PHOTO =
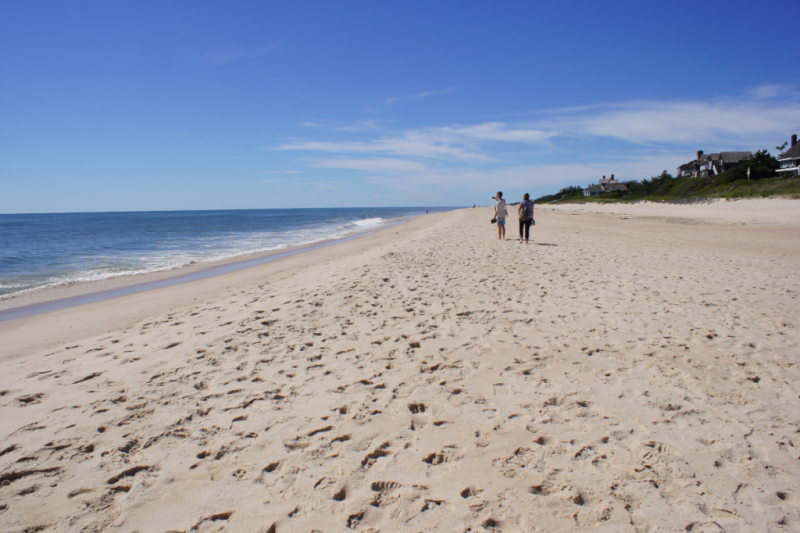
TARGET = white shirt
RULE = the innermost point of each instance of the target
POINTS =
(500, 209)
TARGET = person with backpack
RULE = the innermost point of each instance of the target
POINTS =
(525, 218)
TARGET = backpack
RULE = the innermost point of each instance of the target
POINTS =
(527, 212)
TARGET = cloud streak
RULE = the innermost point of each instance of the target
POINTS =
(531, 176)
(395, 99)
(457, 143)
(756, 119)
(390, 165)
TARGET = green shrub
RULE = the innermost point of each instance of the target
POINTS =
(665, 186)
(563, 194)
(762, 165)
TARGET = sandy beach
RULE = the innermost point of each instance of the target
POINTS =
(733, 211)
(632, 369)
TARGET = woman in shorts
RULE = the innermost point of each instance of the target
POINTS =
(500, 213)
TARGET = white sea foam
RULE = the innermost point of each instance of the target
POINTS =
(216, 249)
(367, 223)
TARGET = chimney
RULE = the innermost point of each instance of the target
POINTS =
(794, 139)
(612, 177)
(699, 154)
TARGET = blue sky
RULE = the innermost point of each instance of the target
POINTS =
(115, 106)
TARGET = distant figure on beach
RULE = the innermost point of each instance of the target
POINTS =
(500, 213)
(426, 211)
(525, 218)
(473, 206)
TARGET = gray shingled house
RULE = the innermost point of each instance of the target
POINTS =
(712, 164)
(790, 159)
(605, 185)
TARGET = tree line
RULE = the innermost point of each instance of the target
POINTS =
(762, 166)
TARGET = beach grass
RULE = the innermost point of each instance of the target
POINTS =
(696, 188)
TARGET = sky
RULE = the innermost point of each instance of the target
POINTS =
(174, 105)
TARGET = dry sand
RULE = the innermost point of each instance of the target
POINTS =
(619, 374)
(733, 211)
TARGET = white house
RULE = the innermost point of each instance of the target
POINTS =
(790, 159)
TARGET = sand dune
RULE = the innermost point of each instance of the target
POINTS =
(613, 375)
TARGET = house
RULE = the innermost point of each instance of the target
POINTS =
(593, 190)
(790, 159)
(712, 164)
(603, 186)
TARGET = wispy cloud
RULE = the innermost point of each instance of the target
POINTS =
(395, 99)
(458, 143)
(357, 126)
(765, 92)
(412, 145)
(753, 119)
(495, 131)
(531, 176)
(228, 55)
(390, 165)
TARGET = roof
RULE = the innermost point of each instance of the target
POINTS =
(735, 157)
(791, 153)
(616, 187)
(725, 157)
(593, 188)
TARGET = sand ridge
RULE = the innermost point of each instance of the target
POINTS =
(614, 375)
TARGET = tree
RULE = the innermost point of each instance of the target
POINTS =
(762, 165)
(563, 194)
(634, 187)
(657, 182)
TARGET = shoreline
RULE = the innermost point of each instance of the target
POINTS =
(45, 299)
(73, 322)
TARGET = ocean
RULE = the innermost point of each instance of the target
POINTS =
(47, 250)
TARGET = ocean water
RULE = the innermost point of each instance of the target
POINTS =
(45, 250)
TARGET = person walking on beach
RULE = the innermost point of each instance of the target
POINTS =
(525, 217)
(500, 213)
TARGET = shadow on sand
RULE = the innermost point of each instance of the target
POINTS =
(534, 243)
